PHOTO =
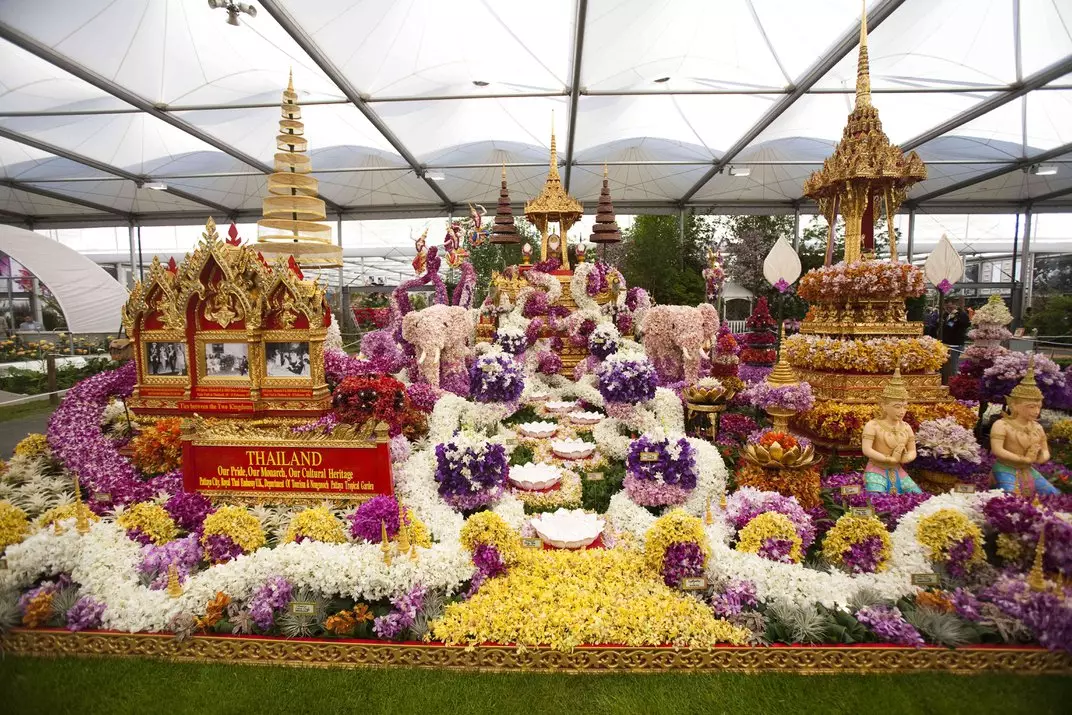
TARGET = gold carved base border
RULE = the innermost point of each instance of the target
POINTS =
(845, 387)
(591, 659)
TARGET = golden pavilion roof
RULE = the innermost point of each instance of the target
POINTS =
(553, 203)
(864, 152)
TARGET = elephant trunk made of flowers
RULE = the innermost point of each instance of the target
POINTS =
(442, 336)
(674, 337)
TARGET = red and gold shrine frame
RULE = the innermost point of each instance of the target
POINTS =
(234, 462)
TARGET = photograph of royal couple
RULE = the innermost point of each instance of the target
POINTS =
(166, 359)
(287, 359)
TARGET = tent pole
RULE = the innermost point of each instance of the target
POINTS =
(132, 245)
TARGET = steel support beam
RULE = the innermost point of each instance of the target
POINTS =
(106, 168)
(1025, 259)
(910, 248)
(1052, 195)
(1040, 78)
(882, 10)
(19, 186)
(575, 87)
(987, 176)
(279, 13)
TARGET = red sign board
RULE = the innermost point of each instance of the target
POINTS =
(287, 469)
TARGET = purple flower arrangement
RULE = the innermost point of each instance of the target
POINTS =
(423, 396)
(889, 625)
(1020, 522)
(496, 377)
(512, 341)
(683, 559)
(747, 503)
(596, 282)
(189, 509)
(603, 342)
(489, 564)
(734, 598)
(752, 374)
(470, 473)
(888, 507)
(184, 554)
(272, 597)
(797, 397)
(548, 363)
(627, 377)
(220, 548)
(863, 556)
(1010, 368)
(1047, 614)
(535, 305)
(406, 608)
(85, 614)
(365, 522)
(660, 471)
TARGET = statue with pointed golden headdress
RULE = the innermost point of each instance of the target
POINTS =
(889, 443)
(1018, 441)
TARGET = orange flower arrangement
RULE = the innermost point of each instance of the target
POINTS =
(344, 622)
(935, 600)
(843, 422)
(786, 440)
(803, 483)
(38, 610)
(158, 449)
(214, 611)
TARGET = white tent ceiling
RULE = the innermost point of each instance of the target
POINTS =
(100, 96)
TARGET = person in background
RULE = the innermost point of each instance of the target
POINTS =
(955, 325)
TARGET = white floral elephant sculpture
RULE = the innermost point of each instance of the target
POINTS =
(442, 336)
(674, 337)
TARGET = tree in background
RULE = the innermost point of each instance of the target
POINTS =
(746, 241)
(656, 257)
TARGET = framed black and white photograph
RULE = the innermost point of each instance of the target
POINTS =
(165, 359)
(226, 360)
(287, 359)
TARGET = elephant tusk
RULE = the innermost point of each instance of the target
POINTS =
(438, 352)
(685, 353)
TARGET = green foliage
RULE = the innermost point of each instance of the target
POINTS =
(796, 624)
(1051, 315)
(595, 496)
(527, 413)
(522, 454)
(945, 629)
(665, 263)
(32, 382)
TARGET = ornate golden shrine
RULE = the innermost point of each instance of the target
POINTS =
(863, 168)
(554, 205)
(225, 333)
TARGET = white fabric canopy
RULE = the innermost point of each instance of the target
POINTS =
(90, 298)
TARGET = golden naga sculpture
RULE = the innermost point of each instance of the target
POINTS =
(864, 168)
(293, 212)
(553, 205)
(1018, 441)
(889, 443)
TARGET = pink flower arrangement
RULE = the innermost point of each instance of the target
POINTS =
(845, 282)
(797, 397)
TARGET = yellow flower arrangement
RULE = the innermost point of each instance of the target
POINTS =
(487, 527)
(804, 483)
(946, 528)
(418, 531)
(150, 519)
(844, 422)
(1010, 547)
(38, 610)
(13, 525)
(874, 355)
(1062, 429)
(769, 525)
(235, 522)
(62, 513)
(850, 530)
(674, 527)
(315, 524)
(563, 599)
(32, 446)
(568, 495)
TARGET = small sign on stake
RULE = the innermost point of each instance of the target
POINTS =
(595, 476)
(964, 489)
(102, 497)
(302, 608)
(862, 510)
(693, 583)
(925, 579)
(649, 456)
(532, 543)
(850, 489)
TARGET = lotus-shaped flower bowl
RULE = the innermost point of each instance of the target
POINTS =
(535, 477)
(537, 430)
(572, 448)
(558, 406)
(537, 396)
(701, 395)
(775, 456)
(585, 418)
(568, 528)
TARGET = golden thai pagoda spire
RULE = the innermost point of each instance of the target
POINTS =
(554, 205)
(292, 211)
(864, 169)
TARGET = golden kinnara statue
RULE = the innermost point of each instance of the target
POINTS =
(889, 443)
(1018, 441)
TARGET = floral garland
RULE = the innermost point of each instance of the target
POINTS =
(846, 282)
(870, 356)
(471, 472)
(772, 536)
(953, 539)
(858, 544)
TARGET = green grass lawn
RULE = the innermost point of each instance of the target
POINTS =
(84, 686)
(25, 409)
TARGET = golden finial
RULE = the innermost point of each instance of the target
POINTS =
(782, 374)
(1037, 578)
(290, 81)
(385, 544)
(57, 527)
(707, 517)
(554, 148)
(863, 72)
(894, 390)
(81, 518)
(722, 502)
(174, 588)
(413, 551)
(604, 170)
(403, 532)
(1028, 389)
(504, 170)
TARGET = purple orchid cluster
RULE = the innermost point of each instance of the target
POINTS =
(747, 503)
(623, 321)
(184, 554)
(1010, 368)
(366, 521)
(734, 597)
(965, 471)
(189, 509)
(797, 397)
(536, 305)
(1047, 614)
(404, 615)
(683, 559)
(220, 548)
(271, 598)
(775, 548)
(423, 396)
(604, 341)
(596, 282)
(382, 357)
(889, 625)
(660, 471)
(888, 507)
(751, 375)
(1019, 519)
(86, 614)
(489, 564)
(496, 378)
(322, 425)
(863, 556)
(627, 378)
(513, 342)
(470, 474)
(77, 441)
(548, 363)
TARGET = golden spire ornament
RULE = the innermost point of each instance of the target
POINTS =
(894, 390)
(707, 517)
(81, 518)
(1037, 578)
(293, 211)
(1028, 389)
(385, 544)
(722, 502)
(554, 205)
(403, 537)
(174, 588)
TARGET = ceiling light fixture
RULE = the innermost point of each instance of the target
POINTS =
(1044, 169)
(436, 176)
(233, 8)
(154, 185)
(740, 170)
(661, 80)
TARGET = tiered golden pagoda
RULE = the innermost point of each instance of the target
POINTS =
(864, 168)
(553, 205)
(293, 212)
